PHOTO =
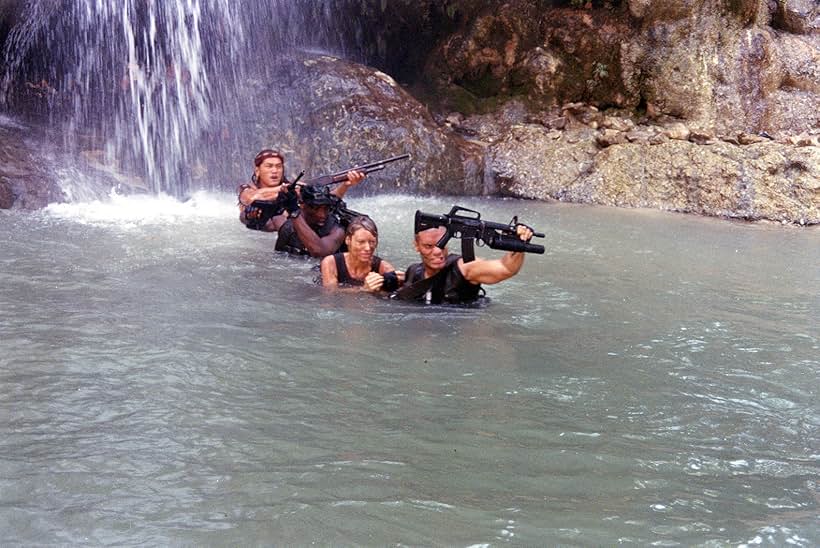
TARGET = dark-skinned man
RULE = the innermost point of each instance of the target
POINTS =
(308, 226)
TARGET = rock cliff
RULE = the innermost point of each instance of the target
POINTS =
(707, 106)
(702, 106)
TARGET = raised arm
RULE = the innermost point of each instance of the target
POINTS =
(492, 271)
(353, 179)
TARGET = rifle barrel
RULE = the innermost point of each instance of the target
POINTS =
(341, 176)
(496, 235)
(373, 166)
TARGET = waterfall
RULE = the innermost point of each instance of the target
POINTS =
(133, 85)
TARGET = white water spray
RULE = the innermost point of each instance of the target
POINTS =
(147, 91)
(132, 79)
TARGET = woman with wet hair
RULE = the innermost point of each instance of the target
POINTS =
(359, 266)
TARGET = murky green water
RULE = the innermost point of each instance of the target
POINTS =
(166, 380)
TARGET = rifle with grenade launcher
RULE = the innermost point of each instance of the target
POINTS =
(466, 224)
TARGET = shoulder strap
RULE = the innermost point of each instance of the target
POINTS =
(341, 267)
(250, 184)
(375, 264)
(419, 288)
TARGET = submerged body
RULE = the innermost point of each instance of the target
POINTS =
(359, 266)
(444, 278)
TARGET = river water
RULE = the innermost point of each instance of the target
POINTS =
(165, 379)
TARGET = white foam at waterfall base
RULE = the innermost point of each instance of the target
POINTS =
(7, 121)
(141, 210)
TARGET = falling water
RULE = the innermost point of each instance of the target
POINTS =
(135, 87)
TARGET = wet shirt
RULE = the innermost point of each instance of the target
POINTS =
(344, 277)
(449, 287)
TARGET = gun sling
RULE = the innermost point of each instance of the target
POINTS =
(416, 290)
(419, 288)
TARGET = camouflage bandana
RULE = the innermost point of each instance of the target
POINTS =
(265, 154)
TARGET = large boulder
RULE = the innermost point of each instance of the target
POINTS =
(327, 114)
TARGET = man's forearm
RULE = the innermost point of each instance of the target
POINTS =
(513, 261)
(315, 245)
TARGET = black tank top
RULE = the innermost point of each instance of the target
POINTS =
(344, 277)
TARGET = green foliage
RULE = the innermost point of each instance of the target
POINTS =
(599, 73)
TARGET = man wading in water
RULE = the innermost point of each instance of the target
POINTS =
(444, 278)
(266, 183)
(308, 226)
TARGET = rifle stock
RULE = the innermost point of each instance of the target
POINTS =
(259, 212)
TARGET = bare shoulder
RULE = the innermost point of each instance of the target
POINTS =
(330, 276)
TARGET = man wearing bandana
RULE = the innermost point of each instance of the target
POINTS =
(316, 233)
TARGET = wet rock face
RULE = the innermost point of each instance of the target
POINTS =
(751, 178)
(720, 65)
(706, 106)
(723, 77)
(327, 114)
(25, 181)
(797, 17)
(363, 114)
(544, 56)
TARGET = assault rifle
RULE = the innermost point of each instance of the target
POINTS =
(259, 212)
(467, 225)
